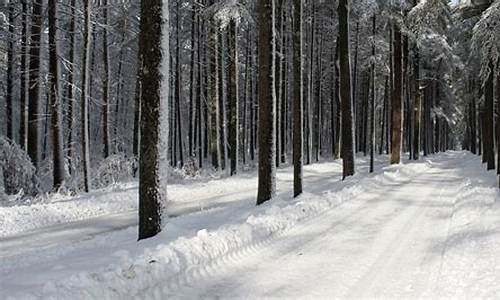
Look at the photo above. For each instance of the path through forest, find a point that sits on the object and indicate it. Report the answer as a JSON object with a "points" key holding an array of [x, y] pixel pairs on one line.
{"points": [[425, 229]]}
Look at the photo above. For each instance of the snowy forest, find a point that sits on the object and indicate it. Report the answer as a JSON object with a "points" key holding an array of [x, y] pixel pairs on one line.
{"points": [[152, 149]]}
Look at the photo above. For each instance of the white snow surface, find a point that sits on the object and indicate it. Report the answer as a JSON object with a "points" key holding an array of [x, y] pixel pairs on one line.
{"points": [[427, 229]]}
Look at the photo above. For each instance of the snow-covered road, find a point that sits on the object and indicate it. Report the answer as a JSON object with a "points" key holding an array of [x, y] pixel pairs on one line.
{"points": [[426, 229], [389, 243]]}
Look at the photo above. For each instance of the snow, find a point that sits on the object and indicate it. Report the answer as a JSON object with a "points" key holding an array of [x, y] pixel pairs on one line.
{"points": [[422, 229]]}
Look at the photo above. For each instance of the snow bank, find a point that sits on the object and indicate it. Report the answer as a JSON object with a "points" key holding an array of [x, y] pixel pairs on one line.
{"points": [[62, 209], [471, 267], [158, 271]]}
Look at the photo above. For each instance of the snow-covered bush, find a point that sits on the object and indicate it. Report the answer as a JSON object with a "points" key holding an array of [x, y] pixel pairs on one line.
{"points": [[19, 174], [115, 168]]}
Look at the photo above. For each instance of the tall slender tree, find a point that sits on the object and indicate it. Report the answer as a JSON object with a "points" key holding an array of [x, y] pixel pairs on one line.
{"points": [[298, 121], [34, 81], [345, 90], [55, 99], [105, 82], [267, 103], [397, 100], [87, 46], [233, 96], [154, 74]]}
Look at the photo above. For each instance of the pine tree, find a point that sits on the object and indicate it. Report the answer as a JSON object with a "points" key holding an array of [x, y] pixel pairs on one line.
{"points": [[105, 82], [34, 81], [55, 99], [345, 90], [87, 46], [233, 97], [267, 103], [298, 103], [397, 100], [154, 78]]}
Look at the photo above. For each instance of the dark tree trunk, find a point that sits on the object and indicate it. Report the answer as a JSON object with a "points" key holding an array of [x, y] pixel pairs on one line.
{"points": [[178, 89], [267, 103], [10, 72], [71, 81], [152, 191], [233, 98], [55, 100], [345, 90], [105, 83], [23, 129], [397, 101], [192, 78], [298, 122], [488, 128], [417, 105], [87, 37], [214, 99], [34, 81], [372, 98]]}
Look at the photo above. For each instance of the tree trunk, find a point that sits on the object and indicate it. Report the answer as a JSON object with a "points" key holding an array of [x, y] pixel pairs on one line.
{"points": [[397, 101], [345, 90], [233, 97], [214, 99], [310, 87], [23, 129], [417, 105], [10, 72], [154, 117], [105, 83], [267, 103], [298, 122], [87, 37], [192, 78], [178, 89], [372, 97], [34, 82], [488, 128], [55, 100]]}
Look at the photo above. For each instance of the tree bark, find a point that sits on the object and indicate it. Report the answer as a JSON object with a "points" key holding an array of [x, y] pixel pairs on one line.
{"points": [[214, 99], [55, 100], [10, 72], [397, 101], [298, 122], [154, 117], [267, 103], [87, 37], [105, 83], [345, 90], [488, 128], [233, 98], [34, 82]]}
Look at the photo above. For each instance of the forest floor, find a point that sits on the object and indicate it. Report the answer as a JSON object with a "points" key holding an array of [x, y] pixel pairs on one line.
{"points": [[421, 229]]}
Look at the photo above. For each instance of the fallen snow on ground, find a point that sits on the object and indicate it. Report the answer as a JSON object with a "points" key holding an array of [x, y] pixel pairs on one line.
{"points": [[425, 229]]}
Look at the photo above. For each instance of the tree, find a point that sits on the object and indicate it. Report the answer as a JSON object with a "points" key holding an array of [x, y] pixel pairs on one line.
{"points": [[372, 96], [55, 99], [23, 129], [267, 103], [87, 43], [10, 71], [71, 80], [34, 81], [298, 121], [345, 90], [233, 97], [105, 83], [397, 100], [213, 87], [154, 78]]}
